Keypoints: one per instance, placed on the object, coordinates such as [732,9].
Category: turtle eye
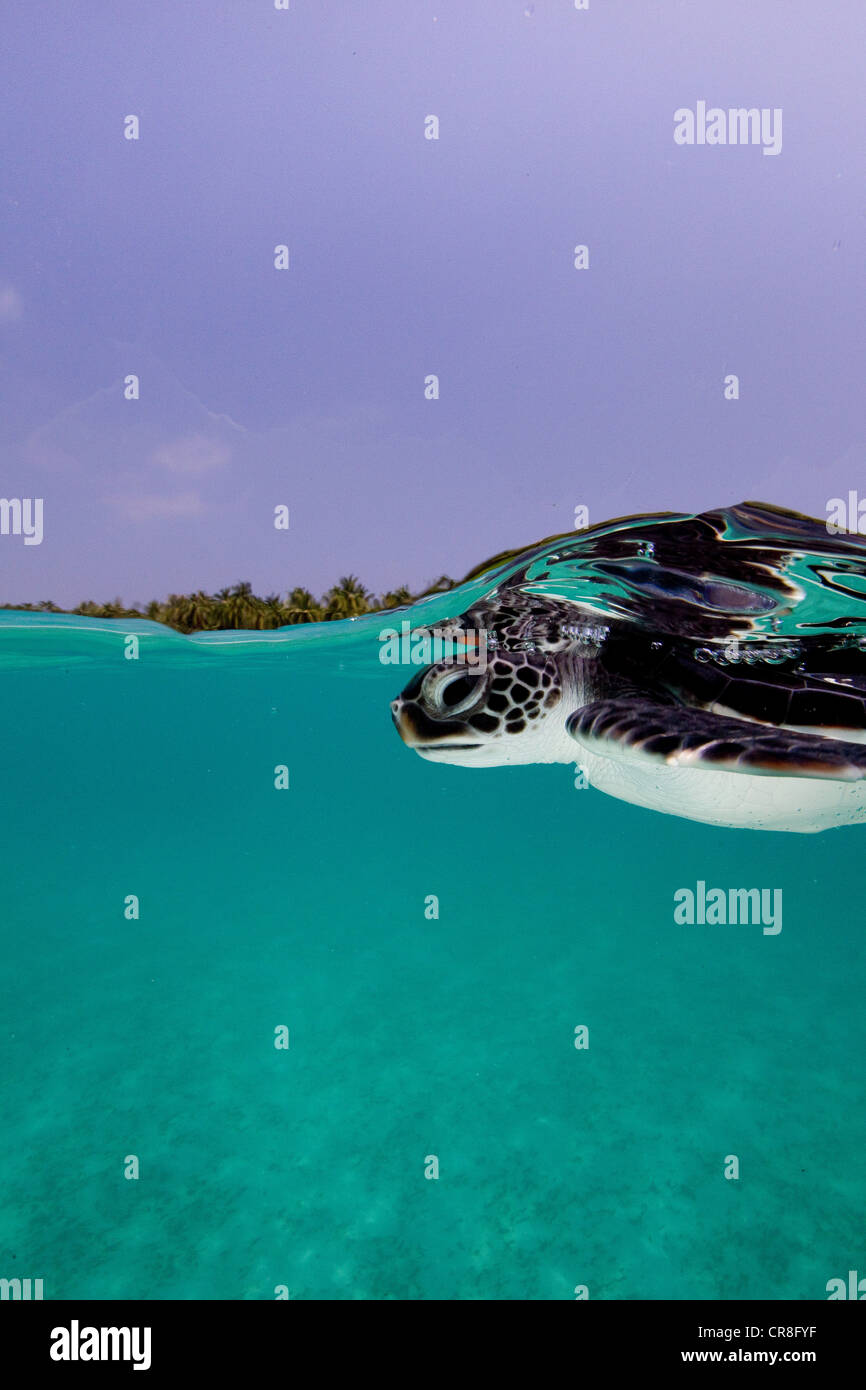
[453,691]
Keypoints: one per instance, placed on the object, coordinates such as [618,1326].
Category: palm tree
[441,585]
[270,612]
[197,611]
[347,599]
[236,607]
[301,607]
[397,598]
[175,610]
[113,610]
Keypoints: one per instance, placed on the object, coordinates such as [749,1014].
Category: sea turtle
[709,666]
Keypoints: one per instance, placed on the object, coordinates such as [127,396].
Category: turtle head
[504,713]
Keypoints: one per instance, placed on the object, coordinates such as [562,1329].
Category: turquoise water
[409,1037]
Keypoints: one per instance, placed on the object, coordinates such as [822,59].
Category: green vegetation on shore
[239,607]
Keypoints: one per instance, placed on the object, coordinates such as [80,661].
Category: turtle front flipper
[679,736]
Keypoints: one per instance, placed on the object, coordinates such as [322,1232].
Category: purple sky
[409,257]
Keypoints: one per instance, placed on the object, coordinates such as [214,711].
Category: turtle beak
[402,722]
[425,735]
[412,724]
